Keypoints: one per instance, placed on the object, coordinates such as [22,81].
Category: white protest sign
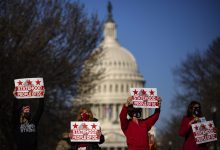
[204,132]
[29,88]
[84,131]
[145,97]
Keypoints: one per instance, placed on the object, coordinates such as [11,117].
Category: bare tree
[168,137]
[198,78]
[51,39]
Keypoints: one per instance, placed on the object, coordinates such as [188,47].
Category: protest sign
[29,88]
[144,97]
[84,131]
[204,132]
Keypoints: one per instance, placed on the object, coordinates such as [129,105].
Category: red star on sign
[84,125]
[38,82]
[135,92]
[93,126]
[203,126]
[29,82]
[151,92]
[75,125]
[143,92]
[196,127]
[19,82]
[210,125]
[42,93]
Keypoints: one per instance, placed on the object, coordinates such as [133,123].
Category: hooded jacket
[26,133]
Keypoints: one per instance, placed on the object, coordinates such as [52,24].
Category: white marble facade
[111,93]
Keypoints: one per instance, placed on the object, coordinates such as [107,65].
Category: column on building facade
[96,110]
[107,112]
[119,110]
[111,112]
[104,112]
[100,112]
[114,113]
[92,107]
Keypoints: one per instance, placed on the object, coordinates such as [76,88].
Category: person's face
[196,110]
[26,115]
[137,112]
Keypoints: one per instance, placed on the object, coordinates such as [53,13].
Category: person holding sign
[193,115]
[26,124]
[136,129]
[85,115]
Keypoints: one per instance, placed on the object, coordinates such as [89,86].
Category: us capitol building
[111,93]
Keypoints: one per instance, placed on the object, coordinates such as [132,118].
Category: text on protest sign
[204,132]
[145,97]
[29,88]
[84,131]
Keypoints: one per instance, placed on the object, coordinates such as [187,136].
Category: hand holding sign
[197,120]
[14,93]
[215,130]
[159,102]
[129,101]
[98,134]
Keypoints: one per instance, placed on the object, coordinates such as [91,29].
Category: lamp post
[213,110]
[170,145]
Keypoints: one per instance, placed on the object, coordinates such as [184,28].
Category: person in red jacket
[193,114]
[136,129]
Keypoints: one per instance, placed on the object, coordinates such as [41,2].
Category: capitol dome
[121,70]
[117,60]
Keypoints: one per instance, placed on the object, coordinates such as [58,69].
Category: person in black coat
[26,124]
[85,114]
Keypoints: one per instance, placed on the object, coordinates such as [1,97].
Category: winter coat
[26,133]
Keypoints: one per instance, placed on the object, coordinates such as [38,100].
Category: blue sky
[160,34]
